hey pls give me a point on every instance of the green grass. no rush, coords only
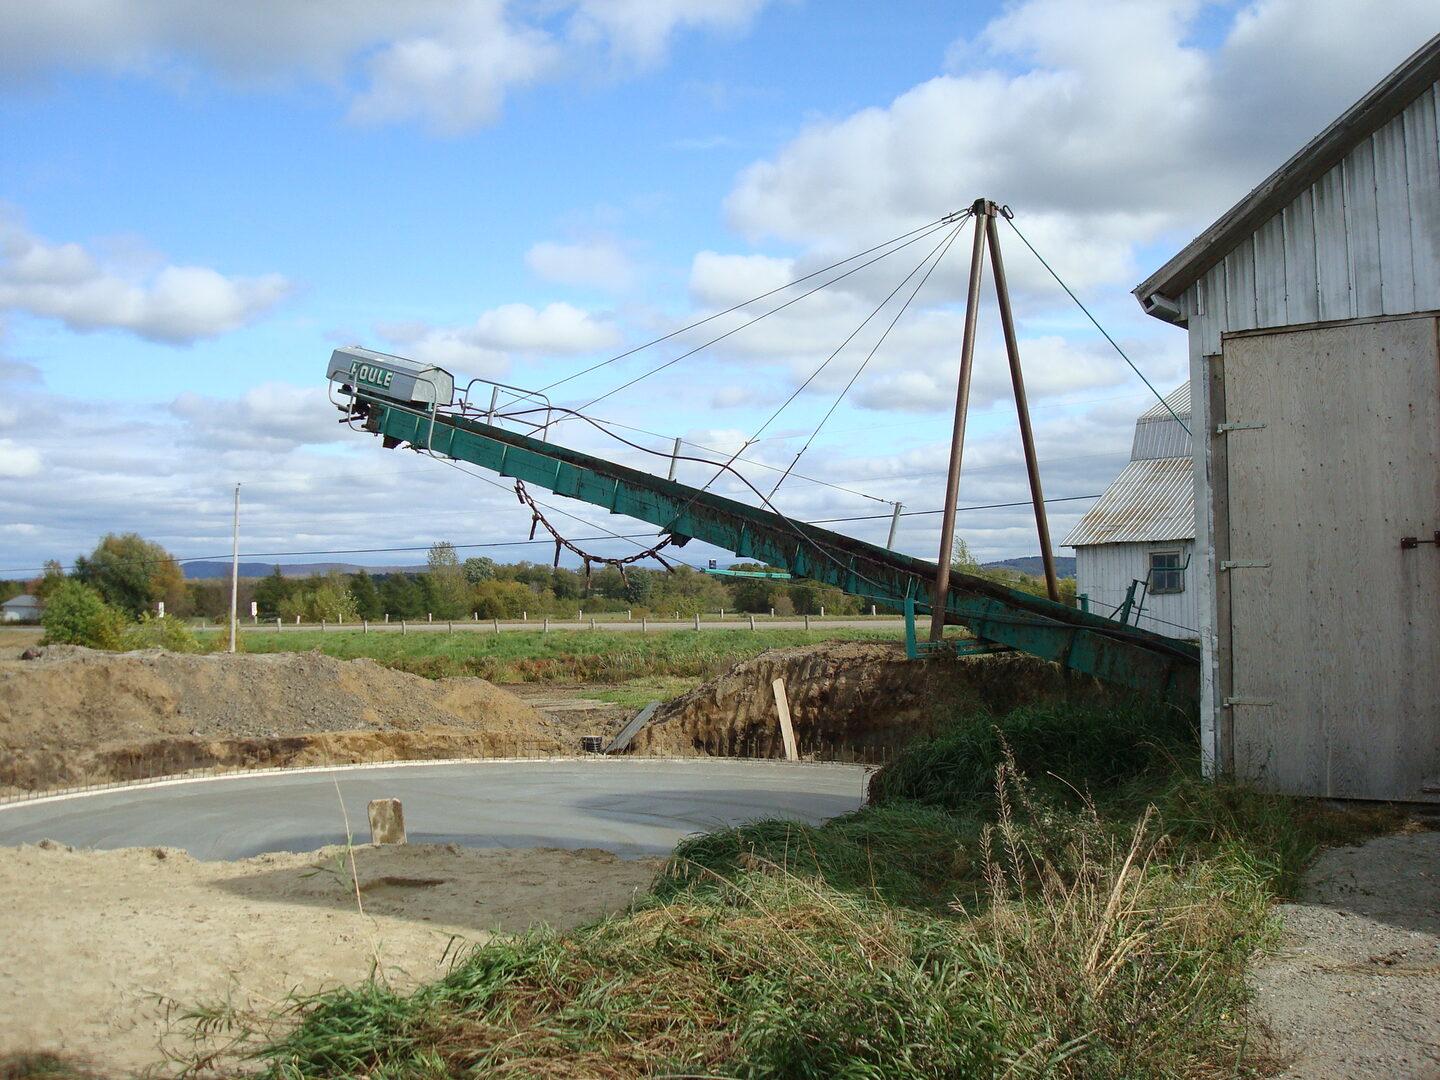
(590, 656)
(1086, 914)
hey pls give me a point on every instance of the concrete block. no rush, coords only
(387, 822)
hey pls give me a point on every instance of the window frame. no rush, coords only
(1168, 573)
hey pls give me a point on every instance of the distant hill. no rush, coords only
(1034, 565)
(200, 571)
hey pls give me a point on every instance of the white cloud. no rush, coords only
(485, 347)
(18, 461)
(270, 417)
(175, 305)
(456, 78)
(449, 63)
(640, 30)
(1122, 131)
(596, 262)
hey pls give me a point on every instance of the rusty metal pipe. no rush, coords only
(982, 209)
(1022, 407)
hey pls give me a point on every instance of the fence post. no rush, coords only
(449, 627)
(497, 626)
(644, 624)
(403, 628)
(546, 628)
(807, 622)
(277, 623)
(364, 626)
(752, 622)
(697, 620)
(322, 626)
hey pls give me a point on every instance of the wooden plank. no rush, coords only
(1362, 227)
(1332, 247)
(1392, 218)
(1240, 286)
(1422, 167)
(1302, 287)
(1340, 630)
(1212, 286)
(787, 731)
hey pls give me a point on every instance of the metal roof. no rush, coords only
(1149, 500)
(1382, 104)
(1178, 400)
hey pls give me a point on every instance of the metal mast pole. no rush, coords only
(235, 569)
(982, 209)
(1022, 407)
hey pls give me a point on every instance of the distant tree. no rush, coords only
(367, 599)
(640, 585)
(961, 559)
(450, 591)
(332, 601)
(76, 614)
(400, 598)
(272, 591)
(479, 569)
(52, 579)
(131, 573)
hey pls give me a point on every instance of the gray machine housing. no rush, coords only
(394, 378)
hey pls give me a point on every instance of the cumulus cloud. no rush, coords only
(448, 63)
(598, 262)
(1125, 130)
(270, 417)
(175, 305)
(485, 347)
(17, 461)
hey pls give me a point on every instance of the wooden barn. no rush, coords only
(1313, 311)
(1134, 549)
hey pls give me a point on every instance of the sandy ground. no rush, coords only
(97, 944)
(1354, 993)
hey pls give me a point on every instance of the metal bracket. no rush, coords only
(1235, 564)
(1408, 542)
(1230, 702)
(1221, 429)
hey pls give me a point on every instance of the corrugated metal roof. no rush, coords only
(1178, 400)
(1150, 500)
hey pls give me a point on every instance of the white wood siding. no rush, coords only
(1104, 572)
(1363, 241)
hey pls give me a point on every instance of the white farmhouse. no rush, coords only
(21, 608)
(1313, 312)
(1136, 543)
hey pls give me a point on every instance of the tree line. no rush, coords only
(126, 578)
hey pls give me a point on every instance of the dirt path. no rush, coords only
(1354, 993)
(110, 937)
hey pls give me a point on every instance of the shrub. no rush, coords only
(76, 614)
(158, 632)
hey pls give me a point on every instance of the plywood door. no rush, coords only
(1335, 645)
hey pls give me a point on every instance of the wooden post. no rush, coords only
(787, 732)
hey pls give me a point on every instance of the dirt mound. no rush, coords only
(76, 715)
(847, 699)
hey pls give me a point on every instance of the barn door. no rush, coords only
(1332, 450)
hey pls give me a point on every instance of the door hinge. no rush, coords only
(1237, 564)
(1221, 429)
(1232, 701)
(1408, 542)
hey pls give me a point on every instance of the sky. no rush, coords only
(198, 202)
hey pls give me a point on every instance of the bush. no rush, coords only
(158, 632)
(76, 614)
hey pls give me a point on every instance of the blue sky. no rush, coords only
(197, 202)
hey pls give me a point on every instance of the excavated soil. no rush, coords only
(847, 699)
(74, 716)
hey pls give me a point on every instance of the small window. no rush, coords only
(1167, 572)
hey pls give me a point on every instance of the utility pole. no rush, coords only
(894, 525)
(235, 569)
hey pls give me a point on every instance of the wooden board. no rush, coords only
(1341, 631)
